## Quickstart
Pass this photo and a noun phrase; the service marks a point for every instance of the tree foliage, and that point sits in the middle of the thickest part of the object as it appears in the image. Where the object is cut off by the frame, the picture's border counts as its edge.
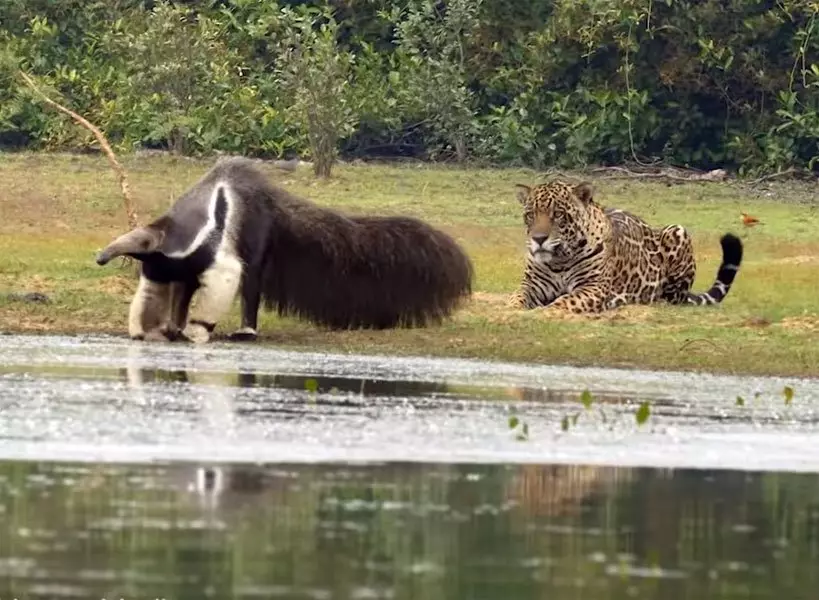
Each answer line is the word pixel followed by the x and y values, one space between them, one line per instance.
pixel 314 74
pixel 705 83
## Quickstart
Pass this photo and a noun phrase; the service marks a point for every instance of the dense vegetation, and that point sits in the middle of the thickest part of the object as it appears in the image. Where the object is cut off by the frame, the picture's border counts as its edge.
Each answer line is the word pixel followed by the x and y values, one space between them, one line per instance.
pixel 705 83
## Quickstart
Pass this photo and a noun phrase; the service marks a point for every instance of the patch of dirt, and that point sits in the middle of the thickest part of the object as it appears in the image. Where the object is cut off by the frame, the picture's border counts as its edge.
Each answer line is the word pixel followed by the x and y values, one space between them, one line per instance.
pixel 117 285
pixel 27 283
pixel 23 320
pixel 548 314
pixel 756 322
pixel 803 323
pixel 490 298
pixel 493 307
pixel 796 260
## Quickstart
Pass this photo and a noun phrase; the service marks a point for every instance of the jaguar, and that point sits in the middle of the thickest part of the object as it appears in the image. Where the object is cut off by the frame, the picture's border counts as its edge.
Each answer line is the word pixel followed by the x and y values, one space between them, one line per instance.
pixel 586 258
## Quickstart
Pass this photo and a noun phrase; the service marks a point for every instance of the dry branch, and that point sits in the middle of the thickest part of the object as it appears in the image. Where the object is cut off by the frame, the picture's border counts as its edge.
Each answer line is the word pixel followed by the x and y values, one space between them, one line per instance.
pixel 667 173
pixel 789 171
pixel 106 147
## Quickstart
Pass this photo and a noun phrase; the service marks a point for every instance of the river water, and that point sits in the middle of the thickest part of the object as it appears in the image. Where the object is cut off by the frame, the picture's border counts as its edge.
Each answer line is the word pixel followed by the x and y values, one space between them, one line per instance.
pixel 133 470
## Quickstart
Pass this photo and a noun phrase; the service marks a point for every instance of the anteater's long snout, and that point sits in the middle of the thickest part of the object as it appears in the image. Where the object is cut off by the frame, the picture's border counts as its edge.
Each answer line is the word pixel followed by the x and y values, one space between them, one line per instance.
pixel 139 241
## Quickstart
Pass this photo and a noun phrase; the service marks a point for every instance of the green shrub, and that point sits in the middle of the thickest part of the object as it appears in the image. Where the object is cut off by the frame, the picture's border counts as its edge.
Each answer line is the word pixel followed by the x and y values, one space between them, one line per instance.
pixel 704 83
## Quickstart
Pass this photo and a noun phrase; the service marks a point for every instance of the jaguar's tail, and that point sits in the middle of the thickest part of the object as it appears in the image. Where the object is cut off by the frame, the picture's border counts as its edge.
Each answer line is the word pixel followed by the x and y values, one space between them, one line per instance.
pixel 731 259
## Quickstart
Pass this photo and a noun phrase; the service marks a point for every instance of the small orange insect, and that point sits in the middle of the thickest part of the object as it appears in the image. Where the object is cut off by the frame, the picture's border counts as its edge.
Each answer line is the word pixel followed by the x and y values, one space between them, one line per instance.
pixel 749 221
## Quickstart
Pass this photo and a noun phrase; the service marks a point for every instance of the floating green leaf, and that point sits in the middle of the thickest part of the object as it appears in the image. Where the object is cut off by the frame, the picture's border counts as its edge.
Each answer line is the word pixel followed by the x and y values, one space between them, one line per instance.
pixel 523 431
pixel 740 401
pixel 788 393
pixel 643 413
pixel 587 399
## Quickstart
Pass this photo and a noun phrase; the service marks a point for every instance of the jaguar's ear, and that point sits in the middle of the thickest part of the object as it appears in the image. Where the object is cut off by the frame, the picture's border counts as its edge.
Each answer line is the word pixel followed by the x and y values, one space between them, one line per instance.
pixel 584 192
pixel 522 192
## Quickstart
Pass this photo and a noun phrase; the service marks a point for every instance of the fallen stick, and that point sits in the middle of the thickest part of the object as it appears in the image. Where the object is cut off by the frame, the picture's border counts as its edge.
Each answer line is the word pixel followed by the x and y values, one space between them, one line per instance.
pixel 106 147
pixel 780 173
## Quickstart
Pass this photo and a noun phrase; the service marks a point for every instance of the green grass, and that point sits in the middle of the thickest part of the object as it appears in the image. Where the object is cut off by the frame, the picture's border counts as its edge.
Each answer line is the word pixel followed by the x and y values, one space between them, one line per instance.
pixel 58 210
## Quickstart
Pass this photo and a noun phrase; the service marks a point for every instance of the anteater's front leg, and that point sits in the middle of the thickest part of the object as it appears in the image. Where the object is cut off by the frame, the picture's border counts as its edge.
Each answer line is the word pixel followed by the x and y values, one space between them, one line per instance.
pixel 218 287
pixel 180 300
pixel 150 308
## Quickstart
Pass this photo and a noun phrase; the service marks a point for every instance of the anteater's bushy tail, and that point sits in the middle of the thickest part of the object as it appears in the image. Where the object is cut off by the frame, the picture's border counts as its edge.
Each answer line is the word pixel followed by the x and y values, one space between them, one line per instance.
pixel 372 272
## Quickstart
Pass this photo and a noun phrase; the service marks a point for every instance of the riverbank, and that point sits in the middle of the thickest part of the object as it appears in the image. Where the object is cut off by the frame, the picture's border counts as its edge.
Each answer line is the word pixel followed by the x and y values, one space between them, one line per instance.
pixel 58 210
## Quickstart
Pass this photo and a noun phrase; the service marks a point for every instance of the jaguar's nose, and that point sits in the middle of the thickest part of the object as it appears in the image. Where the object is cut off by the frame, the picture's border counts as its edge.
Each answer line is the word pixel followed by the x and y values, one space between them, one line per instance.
pixel 539 238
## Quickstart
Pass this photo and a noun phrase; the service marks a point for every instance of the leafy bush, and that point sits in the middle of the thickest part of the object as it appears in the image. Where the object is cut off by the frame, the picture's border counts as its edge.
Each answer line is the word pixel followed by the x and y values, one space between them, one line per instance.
pixel 431 47
pixel 314 75
pixel 705 83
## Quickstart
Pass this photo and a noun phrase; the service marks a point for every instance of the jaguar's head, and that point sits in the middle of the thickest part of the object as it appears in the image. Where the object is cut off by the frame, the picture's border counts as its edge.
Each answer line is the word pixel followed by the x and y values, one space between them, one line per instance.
pixel 556 215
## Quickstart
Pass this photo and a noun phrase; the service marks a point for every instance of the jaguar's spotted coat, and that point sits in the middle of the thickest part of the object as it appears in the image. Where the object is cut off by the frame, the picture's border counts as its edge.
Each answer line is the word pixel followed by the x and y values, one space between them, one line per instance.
pixel 586 258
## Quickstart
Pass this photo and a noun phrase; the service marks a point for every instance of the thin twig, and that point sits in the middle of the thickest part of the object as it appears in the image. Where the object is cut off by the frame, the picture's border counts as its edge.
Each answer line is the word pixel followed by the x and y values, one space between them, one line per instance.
pixel 629 174
pixel 123 178
pixel 788 171
pixel 696 340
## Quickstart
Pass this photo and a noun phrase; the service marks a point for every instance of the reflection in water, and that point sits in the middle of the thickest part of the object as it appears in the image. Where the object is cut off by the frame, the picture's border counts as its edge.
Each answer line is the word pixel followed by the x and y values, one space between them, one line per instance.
pixel 551 490
pixel 138 376
pixel 405 531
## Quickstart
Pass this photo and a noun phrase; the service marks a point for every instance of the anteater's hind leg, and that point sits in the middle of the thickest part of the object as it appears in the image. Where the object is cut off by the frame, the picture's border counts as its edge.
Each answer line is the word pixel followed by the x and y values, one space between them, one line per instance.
pixel 256 265
pixel 681 267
